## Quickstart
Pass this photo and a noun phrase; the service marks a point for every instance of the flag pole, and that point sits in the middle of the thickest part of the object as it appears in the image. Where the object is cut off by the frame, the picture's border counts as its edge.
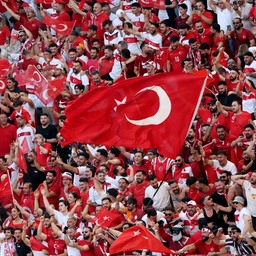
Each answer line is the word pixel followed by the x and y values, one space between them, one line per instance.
pixel 8 175
pixel 162 181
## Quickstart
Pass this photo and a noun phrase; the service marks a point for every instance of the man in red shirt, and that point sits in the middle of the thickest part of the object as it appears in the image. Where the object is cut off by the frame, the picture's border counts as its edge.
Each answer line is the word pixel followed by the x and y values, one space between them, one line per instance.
pixel 206 245
pixel 8 134
pixel 43 149
pixel 51 189
pixel 203 35
pixel 240 35
pixel 107 61
pixel 29 22
pixel 176 54
pixel 26 195
pixel 137 189
pixel 237 119
pixel 68 187
pixel 166 33
pixel 199 13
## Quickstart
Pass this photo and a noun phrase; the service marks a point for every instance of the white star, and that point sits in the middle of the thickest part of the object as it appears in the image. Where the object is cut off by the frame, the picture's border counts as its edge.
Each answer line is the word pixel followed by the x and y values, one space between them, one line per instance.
pixel 119 103
pixel 105 218
pixel 136 233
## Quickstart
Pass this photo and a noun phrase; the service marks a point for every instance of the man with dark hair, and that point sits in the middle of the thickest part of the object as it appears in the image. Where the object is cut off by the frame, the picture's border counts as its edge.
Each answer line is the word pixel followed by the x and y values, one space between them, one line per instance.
pixel 243 245
pixel 167 32
pixel 79 171
pixel 47 130
pixel 77 76
pixel 237 118
pixel 161 198
pixel 137 189
pixel 8 244
pixel 106 62
pixel 181 171
pixel 176 53
pixel 222 163
pixel 199 13
pixel 21 248
pixel 112 35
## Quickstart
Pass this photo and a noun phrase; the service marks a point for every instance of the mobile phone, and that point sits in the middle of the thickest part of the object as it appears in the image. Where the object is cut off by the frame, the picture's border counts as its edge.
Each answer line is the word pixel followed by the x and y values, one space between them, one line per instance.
pixel 228 27
pixel 195 7
pixel 234 3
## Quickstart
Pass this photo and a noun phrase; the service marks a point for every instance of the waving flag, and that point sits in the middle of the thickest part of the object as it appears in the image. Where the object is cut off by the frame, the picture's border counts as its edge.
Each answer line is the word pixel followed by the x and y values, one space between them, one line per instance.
pixel 153 111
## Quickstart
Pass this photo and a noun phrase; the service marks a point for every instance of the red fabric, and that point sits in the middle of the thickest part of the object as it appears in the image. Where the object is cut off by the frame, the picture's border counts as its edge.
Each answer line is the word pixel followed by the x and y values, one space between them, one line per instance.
pixel 22 164
pixel 5 187
pixel 8 136
pixel 5 67
pixel 60 26
pixel 105 218
pixel 3 82
pixel 176 56
pixel 52 200
pixel 151 3
pixel 129 118
pixel 137 238
pixel 4 34
pixel 42 158
pixel 138 192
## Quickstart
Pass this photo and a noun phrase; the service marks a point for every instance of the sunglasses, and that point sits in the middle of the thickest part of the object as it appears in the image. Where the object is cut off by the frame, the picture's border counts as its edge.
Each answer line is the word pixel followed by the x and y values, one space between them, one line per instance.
pixel 234 23
pixel 168 214
pixel 235 203
pixel 223 177
pixel 231 63
pixel 178 160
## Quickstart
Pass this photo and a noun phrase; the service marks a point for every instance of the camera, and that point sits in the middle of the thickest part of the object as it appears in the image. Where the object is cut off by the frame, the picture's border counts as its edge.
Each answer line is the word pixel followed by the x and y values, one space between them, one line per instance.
pixel 160 223
pixel 196 7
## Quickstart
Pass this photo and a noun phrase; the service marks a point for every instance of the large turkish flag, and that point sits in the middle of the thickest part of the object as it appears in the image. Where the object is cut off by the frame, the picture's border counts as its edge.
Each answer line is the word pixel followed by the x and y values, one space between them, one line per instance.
pixel 154 111
pixel 137 238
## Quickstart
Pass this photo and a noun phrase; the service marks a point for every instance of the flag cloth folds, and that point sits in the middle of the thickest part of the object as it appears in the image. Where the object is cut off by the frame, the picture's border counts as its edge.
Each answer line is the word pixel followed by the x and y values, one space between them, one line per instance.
pixel 157 4
pixel 137 238
pixel 60 26
pixel 5 187
pixel 22 164
pixel 153 111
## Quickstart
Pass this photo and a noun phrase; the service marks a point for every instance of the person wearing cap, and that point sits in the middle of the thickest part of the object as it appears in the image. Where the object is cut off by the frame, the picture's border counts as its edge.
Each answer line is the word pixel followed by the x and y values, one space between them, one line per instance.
pixel 150 66
pixel 177 240
pixel 68 186
pixel 242 216
pixel 30 22
pixel 207 244
pixel 239 244
pixel 175 54
pixel 190 217
pixel 25 134
pixel 250 67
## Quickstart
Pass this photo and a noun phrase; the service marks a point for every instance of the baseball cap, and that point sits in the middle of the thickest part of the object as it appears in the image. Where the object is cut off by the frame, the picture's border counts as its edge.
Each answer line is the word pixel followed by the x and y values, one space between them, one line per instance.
pixel 67 175
pixel 192 202
pixel 238 199
pixel 60 66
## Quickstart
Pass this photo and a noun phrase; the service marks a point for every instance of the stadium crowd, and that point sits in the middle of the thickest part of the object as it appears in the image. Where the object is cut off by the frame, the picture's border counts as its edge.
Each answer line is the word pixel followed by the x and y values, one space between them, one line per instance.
pixel 78 199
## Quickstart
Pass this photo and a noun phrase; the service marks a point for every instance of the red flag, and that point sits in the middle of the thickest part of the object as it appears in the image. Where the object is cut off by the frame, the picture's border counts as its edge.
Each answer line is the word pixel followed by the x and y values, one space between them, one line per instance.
pixel 5 187
pixel 42 88
pixel 137 238
pixel 5 67
pixel 60 26
pixel 22 164
pixel 3 85
pixel 24 146
pixel 105 218
pixel 157 4
pixel 145 112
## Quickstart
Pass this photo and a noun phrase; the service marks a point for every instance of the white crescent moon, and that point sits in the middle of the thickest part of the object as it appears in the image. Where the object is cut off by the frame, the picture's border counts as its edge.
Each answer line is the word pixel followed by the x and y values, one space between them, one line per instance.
pixel 45 94
pixel 163 112
pixel 145 2
pixel 37 80
pixel 65 27
pixel 3 84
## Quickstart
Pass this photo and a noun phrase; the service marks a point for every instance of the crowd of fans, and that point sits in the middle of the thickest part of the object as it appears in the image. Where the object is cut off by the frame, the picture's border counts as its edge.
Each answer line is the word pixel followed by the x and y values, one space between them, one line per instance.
pixel 78 199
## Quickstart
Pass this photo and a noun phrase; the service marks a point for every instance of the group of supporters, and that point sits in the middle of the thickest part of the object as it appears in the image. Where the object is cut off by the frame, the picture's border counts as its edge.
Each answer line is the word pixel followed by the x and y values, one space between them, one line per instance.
pixel 78 199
